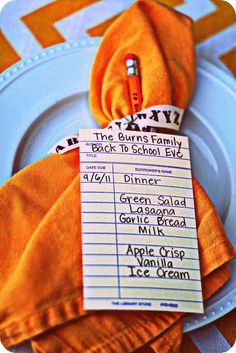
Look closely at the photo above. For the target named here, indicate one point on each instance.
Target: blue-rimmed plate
(45, 98)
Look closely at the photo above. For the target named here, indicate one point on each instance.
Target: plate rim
(211, 313)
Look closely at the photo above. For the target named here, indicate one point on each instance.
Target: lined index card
(140, 249)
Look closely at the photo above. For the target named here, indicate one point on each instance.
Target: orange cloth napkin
(162, 39)
(41, 274)
(40, 221)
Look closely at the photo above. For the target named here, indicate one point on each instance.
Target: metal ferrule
(131, 66)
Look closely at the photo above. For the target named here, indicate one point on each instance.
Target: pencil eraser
(130, 57)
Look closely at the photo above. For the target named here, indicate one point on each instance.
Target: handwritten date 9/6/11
(97, 178)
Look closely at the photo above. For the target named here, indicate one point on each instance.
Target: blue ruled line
(138, 204)
(138, 298)
(148, 164)
(151, 245)
(156, 185)
(135, 213)
(143, 224)
(134, 143)
(138, 278)
(117, 250)
(138, 155)
(134, 193)
(178, 268)
(143, 235)
(148, 288)
(143, 174)
(144, 256)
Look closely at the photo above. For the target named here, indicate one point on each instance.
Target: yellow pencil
(134, 82)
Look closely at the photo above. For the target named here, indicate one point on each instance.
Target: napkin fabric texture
(162, 39)
(41, 276)
(41, 293)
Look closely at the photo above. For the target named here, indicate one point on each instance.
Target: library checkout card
(140, 248)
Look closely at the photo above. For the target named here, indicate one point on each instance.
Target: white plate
(44, 99)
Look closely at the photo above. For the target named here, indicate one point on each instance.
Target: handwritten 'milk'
(140, 249)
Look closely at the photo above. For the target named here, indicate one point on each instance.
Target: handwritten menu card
(140, 249)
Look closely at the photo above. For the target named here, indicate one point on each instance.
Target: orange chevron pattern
(172, 3)
(206, 27)
(100, 29)
(229, 59)
(8, 55)
(215, 22)
(41, 22)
